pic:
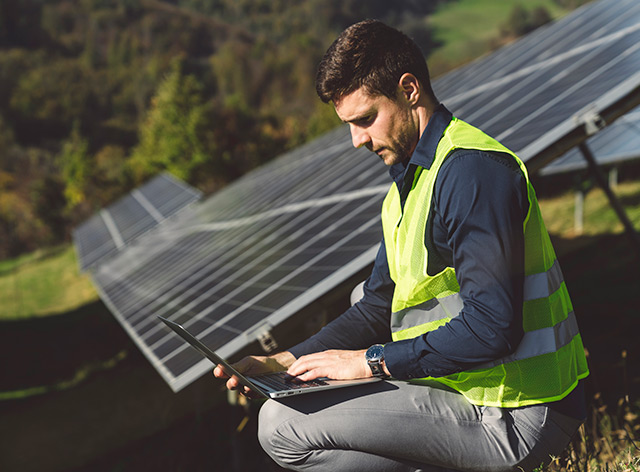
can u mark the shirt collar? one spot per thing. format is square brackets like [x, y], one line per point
[425, 150]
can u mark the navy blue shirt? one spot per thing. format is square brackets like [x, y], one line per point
[479, 205]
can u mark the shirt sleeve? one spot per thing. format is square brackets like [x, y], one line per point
[480, 204]
[365, 323]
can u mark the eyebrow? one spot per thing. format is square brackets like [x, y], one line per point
[361, 117]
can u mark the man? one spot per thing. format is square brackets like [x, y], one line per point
[465, 309]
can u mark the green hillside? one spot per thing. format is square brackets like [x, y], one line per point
[43, 283]
[467, 29]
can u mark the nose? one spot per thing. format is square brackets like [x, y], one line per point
[359, 137]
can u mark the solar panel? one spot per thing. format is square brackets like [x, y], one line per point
[256, 253]
[616, 144]
[113, 228]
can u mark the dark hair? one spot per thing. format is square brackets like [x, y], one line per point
[373, 55]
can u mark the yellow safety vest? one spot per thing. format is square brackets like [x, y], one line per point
[550, 359]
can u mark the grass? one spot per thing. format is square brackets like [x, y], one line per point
[599, 217]
[468, 29]
[43, 283]
[609, 441]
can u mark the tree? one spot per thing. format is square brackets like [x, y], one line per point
[20, 230]
[7, 141]
[50, 98]
[47, 200]
[522, 21]
[75, 165]
[173, 134]
[111, 175]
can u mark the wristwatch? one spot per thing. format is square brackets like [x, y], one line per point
[375, 357]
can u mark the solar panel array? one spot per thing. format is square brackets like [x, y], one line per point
[273, 242]
[535, 92]
[115, 227]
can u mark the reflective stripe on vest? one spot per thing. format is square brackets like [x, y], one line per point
[441, 310]
[544, 284]
[427, 316]
[549, 359]
[541, 341]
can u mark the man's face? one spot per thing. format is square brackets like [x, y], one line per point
[382, 125]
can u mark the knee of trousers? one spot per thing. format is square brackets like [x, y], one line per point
[276, 436]
[267, 421]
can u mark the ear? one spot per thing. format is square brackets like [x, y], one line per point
[410, 88]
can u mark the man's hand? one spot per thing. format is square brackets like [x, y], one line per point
[335, 364]
[253, 365]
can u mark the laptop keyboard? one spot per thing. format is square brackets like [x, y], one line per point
[283, 381]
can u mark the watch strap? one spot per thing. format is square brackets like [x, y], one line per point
[376, 369]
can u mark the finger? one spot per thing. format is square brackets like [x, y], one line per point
[309, 375]
[247, 392]
[295, 370]
[232, 383]
[304, 364]
[299, 371]
[218, 372]
[310, 370]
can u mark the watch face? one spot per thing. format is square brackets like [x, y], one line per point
[375, 353]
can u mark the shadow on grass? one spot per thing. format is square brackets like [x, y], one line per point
[603, 277]
[49, 350]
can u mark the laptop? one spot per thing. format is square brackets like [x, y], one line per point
[270, 385]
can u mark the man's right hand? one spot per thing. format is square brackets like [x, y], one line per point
[253, 365]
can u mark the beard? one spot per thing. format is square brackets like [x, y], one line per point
[399, 150]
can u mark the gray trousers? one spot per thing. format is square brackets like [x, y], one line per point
[396, 426]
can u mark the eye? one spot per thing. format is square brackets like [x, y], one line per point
[366, 120]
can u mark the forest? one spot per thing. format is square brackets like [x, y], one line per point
[97, 96]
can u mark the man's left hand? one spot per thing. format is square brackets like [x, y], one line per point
[334, 364]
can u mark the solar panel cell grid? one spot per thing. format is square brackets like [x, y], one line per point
[91, 249]
[115, 227]
[168, 194]
[184, 360]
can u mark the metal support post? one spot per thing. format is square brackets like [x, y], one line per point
[613, 177]
[578, 212]
[615, 203]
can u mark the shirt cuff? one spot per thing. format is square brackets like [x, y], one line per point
[396, 358]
